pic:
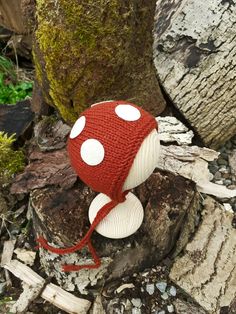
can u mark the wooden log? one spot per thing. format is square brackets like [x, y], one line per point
[195, 60]
[207, 269]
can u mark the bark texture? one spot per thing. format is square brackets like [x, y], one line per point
[195, 60]
[17, 15]
[88, 51]
[207, 270]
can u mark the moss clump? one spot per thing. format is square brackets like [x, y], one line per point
[74, 39]
[87, 51]
[11, 161]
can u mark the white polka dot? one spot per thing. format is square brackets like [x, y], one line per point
[127, 112]
[101, 102]
[78, 127]
[92, 152]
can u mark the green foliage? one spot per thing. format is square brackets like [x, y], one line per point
[7, 68]
[12, 91]
[11, 161]
[11, 94]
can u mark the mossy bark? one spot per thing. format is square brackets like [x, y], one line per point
[88, 51]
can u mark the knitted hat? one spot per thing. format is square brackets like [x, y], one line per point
[102, 147]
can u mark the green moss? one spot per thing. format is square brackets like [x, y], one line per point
[11, 161]
[70, 36]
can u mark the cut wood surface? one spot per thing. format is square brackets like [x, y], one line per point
[195, 55]
[52, 293]
[207, 270]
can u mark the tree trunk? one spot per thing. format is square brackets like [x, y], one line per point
[17, 15]
[88, 51]
[195, 58]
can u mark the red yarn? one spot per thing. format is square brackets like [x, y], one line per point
[121, 140]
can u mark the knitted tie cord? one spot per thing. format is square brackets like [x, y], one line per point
[102, 146]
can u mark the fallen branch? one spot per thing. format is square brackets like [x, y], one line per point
[52, 293]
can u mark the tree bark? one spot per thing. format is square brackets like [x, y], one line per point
[207, 269]
[17, 15]
[195, 60]
[89, 51]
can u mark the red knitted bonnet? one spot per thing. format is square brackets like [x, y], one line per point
[119, 140]
[102, 147]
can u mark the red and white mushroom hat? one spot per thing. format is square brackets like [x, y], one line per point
[113, 147]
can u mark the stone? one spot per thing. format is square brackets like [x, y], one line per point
[217, 175]
[164, 296]
[150, 288]
[136, 302]
[161, 286]
[222, 162]
[207, 271]
[232, 162]
[172, 291]
[227, 182]
[170, 308]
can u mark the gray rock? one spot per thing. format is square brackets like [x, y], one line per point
[232, 187]
[136, 302]
[170, 308]
[232, 162]
[161, 286]
[135, 310]
[227, 182]
[217, 175]
[150, 288]
[164, 296]
[222, 161]
[172, 291]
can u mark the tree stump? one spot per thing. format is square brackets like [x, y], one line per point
[62, 217]
[89, 51]
[59, 206]
[195, 60]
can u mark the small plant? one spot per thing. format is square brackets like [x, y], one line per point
[11, 161]
[11, 90]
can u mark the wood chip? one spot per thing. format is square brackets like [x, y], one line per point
[7, 253]
[52, 293]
